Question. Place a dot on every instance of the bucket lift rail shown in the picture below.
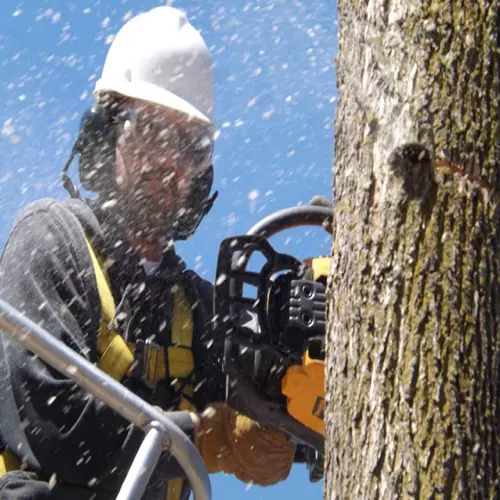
(160, 428)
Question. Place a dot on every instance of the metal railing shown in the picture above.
(161, 431)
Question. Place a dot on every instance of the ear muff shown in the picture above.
(203, 185)
(96, 148)
(199, 202)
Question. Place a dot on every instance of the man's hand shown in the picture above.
(235, 444)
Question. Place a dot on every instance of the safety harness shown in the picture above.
(117, 357)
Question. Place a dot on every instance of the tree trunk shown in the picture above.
(413, 362)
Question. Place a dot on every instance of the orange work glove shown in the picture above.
(235, 444)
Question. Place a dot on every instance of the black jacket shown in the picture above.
(45, 418)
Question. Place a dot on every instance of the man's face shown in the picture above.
(159, 152)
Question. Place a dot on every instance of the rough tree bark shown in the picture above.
(413, 362)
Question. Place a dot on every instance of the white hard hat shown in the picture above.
(159, 57)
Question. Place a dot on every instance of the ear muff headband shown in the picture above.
(95, 148)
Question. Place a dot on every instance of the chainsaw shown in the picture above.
(272, 323)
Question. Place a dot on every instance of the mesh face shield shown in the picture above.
(95, 147)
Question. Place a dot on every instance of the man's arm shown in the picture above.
(46, 273)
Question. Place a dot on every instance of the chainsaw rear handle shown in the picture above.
(160, 428)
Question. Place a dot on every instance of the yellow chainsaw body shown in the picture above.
(304, 387)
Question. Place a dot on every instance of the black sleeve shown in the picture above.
(46, 273)
(208, 348)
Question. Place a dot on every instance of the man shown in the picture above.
(102, 276)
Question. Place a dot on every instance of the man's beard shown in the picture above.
(151, 215)
(147, 222)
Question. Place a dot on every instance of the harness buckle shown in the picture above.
(143, 354)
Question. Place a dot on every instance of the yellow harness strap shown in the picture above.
(8, 462)
(115, 356)
(174, 489)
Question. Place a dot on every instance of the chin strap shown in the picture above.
(67, 183)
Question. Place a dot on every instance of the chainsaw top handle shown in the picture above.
(305, 215)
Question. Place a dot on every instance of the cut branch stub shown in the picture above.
(413, 164)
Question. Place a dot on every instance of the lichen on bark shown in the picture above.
(413, 359)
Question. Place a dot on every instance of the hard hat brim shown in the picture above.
(151, 93)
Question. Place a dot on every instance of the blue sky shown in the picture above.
(276, 98)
